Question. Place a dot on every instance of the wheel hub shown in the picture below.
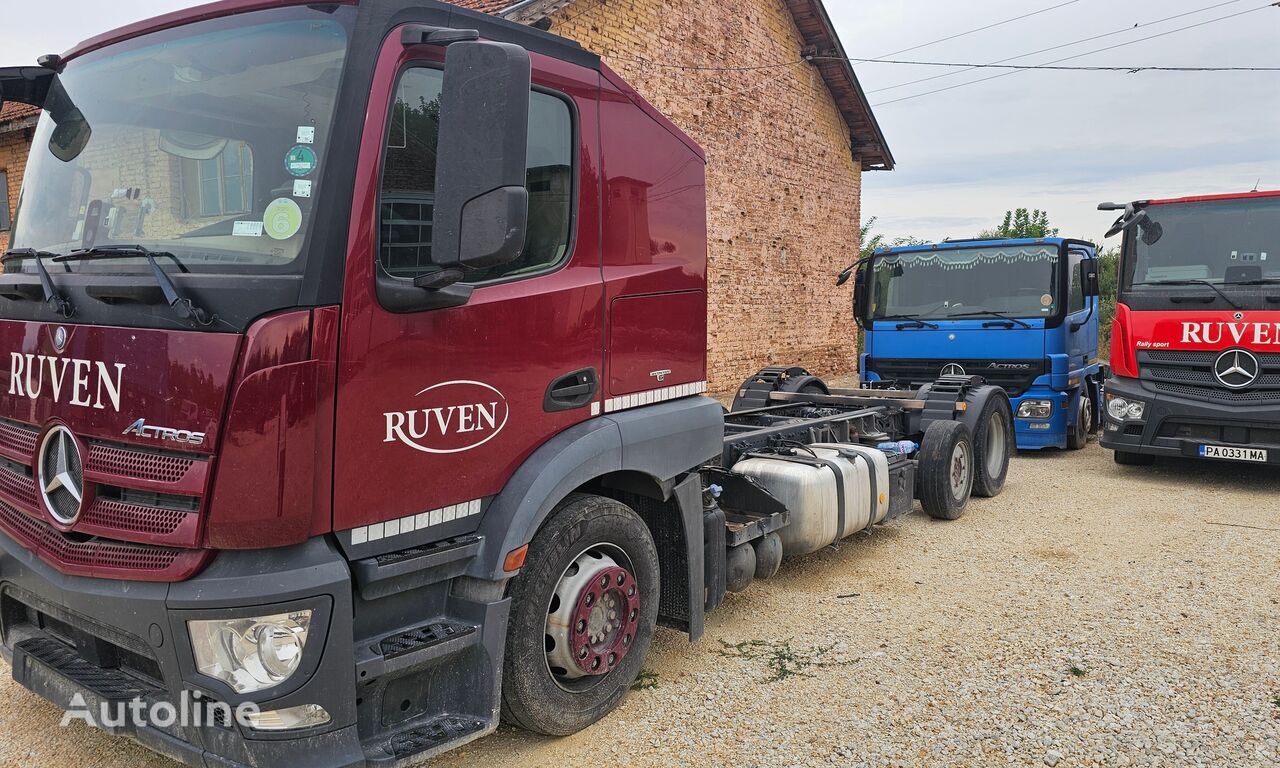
(959, 470)
(593, 618)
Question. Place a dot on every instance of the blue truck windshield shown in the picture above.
(1016, 280)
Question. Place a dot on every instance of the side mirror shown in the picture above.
(1126, 221)
(861, 289)
(1091, 280)
(482, 205)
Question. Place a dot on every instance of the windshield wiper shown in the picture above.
(51, 296)
(183, 307)
(913, 321)
(993, 313)
(1189, 281)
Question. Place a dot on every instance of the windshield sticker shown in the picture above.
(247, 229)
(300, 161)
(301, 188)
(306, 134)
(1046, 300)
(282, 219)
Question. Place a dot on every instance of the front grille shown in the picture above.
(1013, 376)
(17, 438)
(97, 556)
(132, 462)
(1189, 374)
(130, 528)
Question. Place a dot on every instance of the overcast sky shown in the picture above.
(1062, 141)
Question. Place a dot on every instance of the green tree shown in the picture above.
(1108, 279)
(869, 243)
(1021, 223)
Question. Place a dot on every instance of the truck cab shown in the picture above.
(314, 312)
(1195, 349)
(1023, 314)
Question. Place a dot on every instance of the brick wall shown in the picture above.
(783, 189)
(13, 156)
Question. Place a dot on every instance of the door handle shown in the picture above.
(573, 390)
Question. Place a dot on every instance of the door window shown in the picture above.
(409, 177)
(1077, 301)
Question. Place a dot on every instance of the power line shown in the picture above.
(1050, 48)
(1140, 68)
(1079, 55)
(980, 29)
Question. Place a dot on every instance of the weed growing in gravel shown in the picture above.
(781, 658)
(645, 681)
(1078, 671)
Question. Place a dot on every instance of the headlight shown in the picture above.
(1121, 409)
(250, 654)
(1035, 409)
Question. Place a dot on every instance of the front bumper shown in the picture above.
(1178, 426)
(405, 668)
(90, 644)
(1036, 434)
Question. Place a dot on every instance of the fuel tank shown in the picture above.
(832, 491)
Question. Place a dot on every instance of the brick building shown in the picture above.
(17, 122)
(786, 140)
(763, 86)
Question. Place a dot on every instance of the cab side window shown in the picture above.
(409, 173)
(1077, 299)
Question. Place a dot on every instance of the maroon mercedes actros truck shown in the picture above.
(353, 364)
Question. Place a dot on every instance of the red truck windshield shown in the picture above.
(1222, 242)
(206, 141)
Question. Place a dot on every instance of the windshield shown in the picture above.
(1220, 241)
(1018, 280)
(204, 141)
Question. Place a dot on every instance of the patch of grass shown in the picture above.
(782, 659)
(1276, 702)
(1078, 671)
(645, 681)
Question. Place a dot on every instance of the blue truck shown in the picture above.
(1022, 314)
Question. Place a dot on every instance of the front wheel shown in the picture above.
(583, 612)
(946, 470)
(993, 442)
(1078, 436)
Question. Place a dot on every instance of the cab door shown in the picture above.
(1082, 308)
(437, 407)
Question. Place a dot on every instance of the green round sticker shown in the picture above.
(300, 161)
(282, 219)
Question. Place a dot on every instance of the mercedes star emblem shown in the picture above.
(1237, 368)
(953, 369)
(60, 474)
(60, 338)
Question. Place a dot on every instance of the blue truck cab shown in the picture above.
(1023, 314)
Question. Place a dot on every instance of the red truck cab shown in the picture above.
(1195, 348)
(314, 312)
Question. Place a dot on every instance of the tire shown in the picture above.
(946, 452)
(574, 544)
(1128, 459)
(993, 443)
(1078, 436)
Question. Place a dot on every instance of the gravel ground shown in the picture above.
(1090, 615)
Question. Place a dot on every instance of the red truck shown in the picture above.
(356, 359)
(1195, 349)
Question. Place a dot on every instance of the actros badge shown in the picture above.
(142, 429)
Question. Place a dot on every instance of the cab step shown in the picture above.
(414, 647)
(397, 572)
(443, 731)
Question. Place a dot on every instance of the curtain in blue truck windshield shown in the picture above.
(1019, 281)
